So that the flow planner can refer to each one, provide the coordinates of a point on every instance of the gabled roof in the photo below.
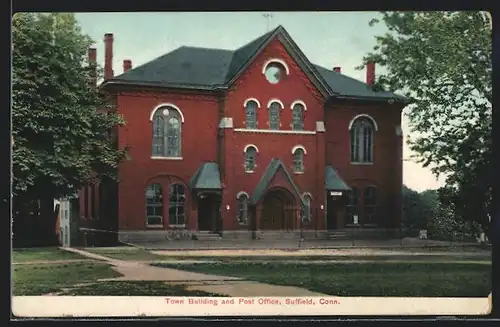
(215, 69)
(333, 181)
(207, 177)
(266, 178)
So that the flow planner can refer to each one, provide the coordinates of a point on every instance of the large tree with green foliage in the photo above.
(60, 121)
(443, 61)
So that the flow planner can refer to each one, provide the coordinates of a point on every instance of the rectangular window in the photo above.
(274, 116)
(251, 121)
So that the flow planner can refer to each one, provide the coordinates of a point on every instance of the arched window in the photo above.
(66, 232)
(370, 205)
(251, 114)
(242, 209)
(274, 115)
(362, 140)
(298, 117)
(306, 209)
(250, 158)
(154, 205)
(167, 133)
(298, 160)
(176, 204)
(352, 208)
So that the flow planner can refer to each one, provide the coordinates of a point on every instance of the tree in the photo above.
(442, 60)
(61, 122)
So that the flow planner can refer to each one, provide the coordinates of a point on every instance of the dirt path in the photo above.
(230, 286)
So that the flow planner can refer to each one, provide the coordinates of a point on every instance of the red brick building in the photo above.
(253, 140)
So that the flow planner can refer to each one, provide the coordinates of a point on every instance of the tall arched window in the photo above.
(250, 158)
(274, 115)
(177, 200)
(242, 209)
(370, 205)
(352, 208)
(154, 205)
(306, 209)
(251, 114)
(298, 160)
(167, 133)
(298, 117)
(362, 140)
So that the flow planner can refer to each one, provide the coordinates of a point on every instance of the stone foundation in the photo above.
(157, 236)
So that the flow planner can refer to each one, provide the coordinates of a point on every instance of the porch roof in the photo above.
(270, 171)
(333, 181)
(207, 177)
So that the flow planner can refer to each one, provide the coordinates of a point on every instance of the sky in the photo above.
(328, 39)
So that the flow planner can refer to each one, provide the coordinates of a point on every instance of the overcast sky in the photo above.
(327, 38)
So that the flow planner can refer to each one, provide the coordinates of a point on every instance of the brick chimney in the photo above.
(92, 54)
(370, 73)
(108, 56)
(127, 65)
(337, 69)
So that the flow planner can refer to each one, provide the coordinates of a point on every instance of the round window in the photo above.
(274, 72)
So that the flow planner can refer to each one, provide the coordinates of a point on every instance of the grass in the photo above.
(45, 254)
(42, 279)
(126, 253)
(428, 279)
(303, 258)
(135, 288)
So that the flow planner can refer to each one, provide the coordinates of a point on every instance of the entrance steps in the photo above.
(278, 235)
(207, 236)
(337, 235)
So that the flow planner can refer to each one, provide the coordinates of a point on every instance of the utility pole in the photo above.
(268, 17)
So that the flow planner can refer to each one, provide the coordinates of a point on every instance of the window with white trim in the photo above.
(251, 114)
(250, 158)
(298, 160)
(362, 140)
(242, 209)
(176, 204)
(166, 133)
(298, 117)
(154, 205)
(274, 116)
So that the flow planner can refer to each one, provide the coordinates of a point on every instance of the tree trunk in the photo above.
(47, 221)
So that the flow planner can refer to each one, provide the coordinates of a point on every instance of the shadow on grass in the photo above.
(135, 288)
(429, 279)
(44, 254)
(48, 278)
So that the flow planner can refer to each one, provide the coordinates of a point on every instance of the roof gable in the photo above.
(271, 170)
(333, 181)
(207, 177)
(213, 69)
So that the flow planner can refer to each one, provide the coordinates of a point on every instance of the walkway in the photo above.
(230, 286)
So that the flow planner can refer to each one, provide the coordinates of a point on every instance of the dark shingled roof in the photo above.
(207, 177)
(202, 68)
(333, 181)
(270, 171)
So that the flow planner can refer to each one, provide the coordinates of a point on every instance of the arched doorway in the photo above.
(279, 210)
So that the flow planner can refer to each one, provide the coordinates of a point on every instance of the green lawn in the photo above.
(42, 279)
(135, 288)
(126, 253)
(300, 258)
(427, 279)
(45, 253)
